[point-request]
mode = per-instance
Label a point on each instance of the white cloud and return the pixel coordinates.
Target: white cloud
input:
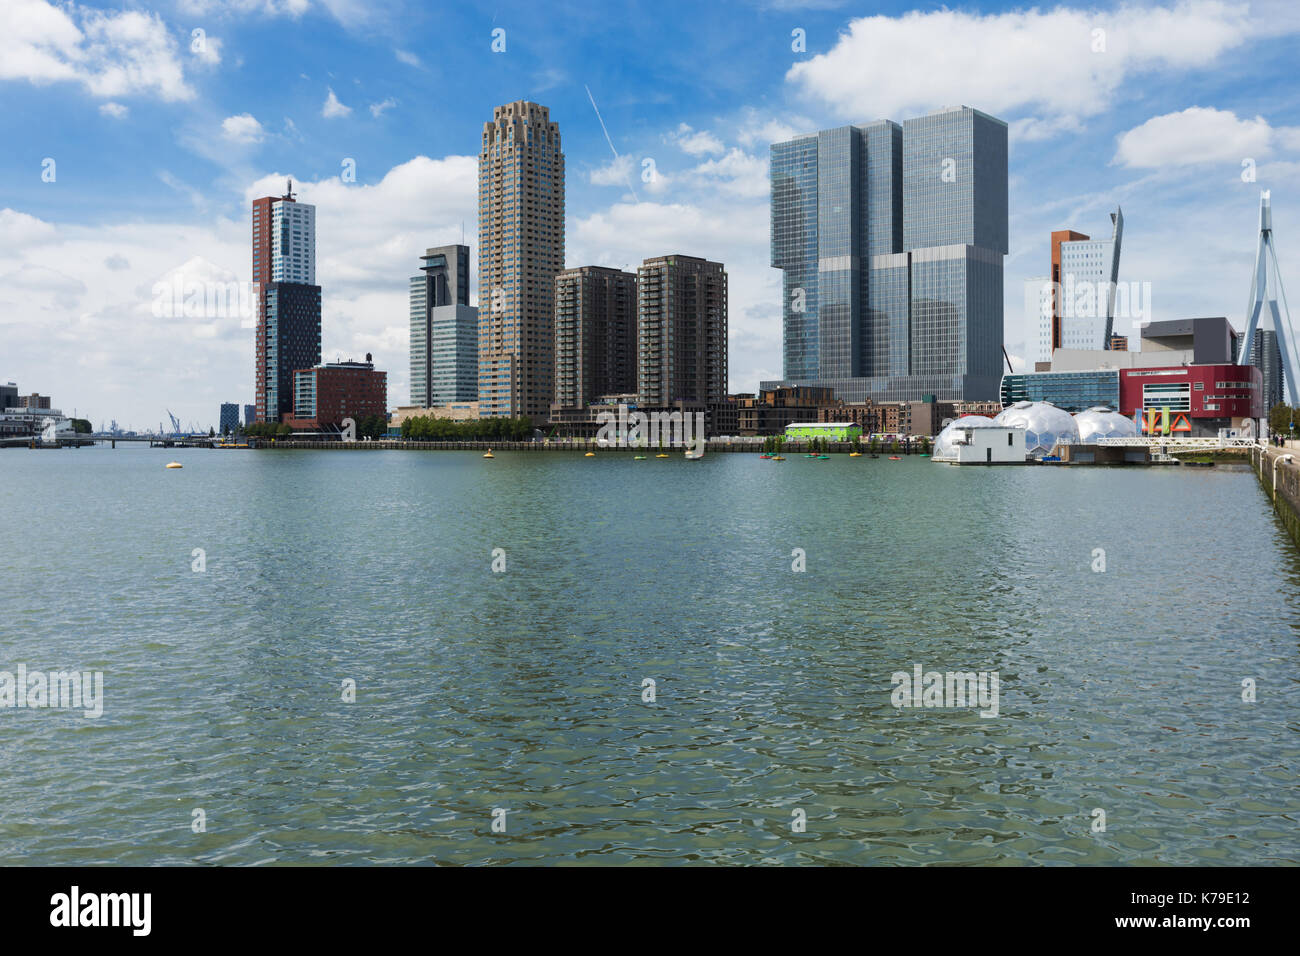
(761, 129)
(208, 52)
(1046, 63)
(377, 109)
(333, 108)
(1032, 129)
(18, 229)
(697, 142)
(243, 128)
(1198, 135)
(616, 172)
(115, 110)
(274, 8)
(405, 56)
(111, 54)
(737, 173)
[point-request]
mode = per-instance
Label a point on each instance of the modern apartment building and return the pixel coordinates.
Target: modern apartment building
(288, 300)
(1081, 290)
(681, 341)
(521, 250)
(229, 421)
(890, 239)
(444, 330)
(595, 335)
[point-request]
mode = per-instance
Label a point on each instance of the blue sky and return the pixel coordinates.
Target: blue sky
(158, 148)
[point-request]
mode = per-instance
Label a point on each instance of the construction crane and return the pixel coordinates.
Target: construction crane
(176, 423)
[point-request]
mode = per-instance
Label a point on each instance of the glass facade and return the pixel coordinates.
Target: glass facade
(1267, 357)
(887, 335)
(794, 250)
(890, 239)
(444, 330)
(420, 341)
(291, 325)
(1072, 391)
(838, 262)
(955, 180)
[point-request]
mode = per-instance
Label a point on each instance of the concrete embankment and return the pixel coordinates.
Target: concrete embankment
(1279, 472)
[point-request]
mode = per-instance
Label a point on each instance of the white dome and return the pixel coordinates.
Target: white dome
(1101, 422)
(1044, 425)
(943, 448)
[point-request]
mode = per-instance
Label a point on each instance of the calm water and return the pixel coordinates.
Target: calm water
(523, 690)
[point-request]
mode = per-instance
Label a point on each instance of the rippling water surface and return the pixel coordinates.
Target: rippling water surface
(523, 690)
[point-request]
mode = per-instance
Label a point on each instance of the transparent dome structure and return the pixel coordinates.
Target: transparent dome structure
(1044, 425)
(1103, 422)
(943, 449)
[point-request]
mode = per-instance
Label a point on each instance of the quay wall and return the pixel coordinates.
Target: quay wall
(1286, 494)
(711, 447)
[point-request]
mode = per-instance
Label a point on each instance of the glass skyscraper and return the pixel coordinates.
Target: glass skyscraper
(444, 330)
(890, 240)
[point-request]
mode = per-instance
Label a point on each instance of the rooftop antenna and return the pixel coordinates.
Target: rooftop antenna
(288, 192)
(1265, 293)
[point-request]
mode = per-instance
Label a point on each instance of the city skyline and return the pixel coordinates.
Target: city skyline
(1173, 158)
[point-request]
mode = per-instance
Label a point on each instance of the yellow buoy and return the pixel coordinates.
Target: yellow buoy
(590, 454)
(174, 464)
(489, 454)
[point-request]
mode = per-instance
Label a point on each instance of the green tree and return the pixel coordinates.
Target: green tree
(81, 426)
(1280, 419)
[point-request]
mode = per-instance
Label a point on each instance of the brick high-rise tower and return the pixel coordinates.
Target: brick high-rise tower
(521, 249)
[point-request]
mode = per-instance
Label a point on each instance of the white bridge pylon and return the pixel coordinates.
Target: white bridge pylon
(1264, 293)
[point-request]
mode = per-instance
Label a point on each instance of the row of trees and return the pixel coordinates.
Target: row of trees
(268, 430)
(368, 426)
(428, 428)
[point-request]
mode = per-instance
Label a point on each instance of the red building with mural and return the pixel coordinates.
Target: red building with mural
(1200, 399)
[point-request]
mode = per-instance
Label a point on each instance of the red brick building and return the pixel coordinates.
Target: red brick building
(327, 394)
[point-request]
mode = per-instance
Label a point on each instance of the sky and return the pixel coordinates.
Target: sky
(136, 136)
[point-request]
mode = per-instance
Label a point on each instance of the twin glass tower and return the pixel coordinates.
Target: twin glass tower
(890, 240)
